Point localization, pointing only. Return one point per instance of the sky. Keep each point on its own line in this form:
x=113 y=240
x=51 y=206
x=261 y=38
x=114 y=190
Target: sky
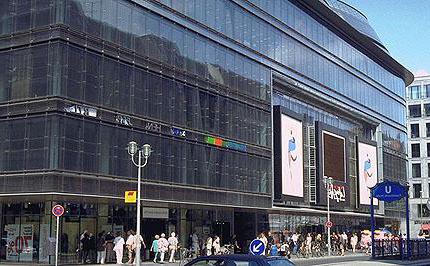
x=404 y=28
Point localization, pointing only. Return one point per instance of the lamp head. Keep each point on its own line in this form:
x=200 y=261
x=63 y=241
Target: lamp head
x=132 y=148
x=146 y=149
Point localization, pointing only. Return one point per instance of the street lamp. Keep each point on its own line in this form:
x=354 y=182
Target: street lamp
x=145 y=152
x=328 y=182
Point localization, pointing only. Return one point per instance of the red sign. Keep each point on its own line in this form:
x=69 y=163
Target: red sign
x=58 y=210
x=329 y=224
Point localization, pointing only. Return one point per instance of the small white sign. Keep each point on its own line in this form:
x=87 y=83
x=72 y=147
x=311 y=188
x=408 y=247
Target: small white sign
x=155 y=213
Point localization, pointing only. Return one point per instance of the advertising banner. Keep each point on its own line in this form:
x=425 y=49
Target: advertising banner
x=367 y=171
x=26 y=242
x=12 y=231
x=292 y=156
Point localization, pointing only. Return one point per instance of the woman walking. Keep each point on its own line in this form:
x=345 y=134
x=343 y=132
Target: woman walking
x=173 y=246
x=163 y=246
x=154 y=248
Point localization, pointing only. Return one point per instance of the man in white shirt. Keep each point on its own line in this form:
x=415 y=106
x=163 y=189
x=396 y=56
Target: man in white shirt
x=130 y=243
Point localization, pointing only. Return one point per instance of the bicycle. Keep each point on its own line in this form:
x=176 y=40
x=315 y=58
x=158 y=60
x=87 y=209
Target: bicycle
x=227 y=249
x=185 y=256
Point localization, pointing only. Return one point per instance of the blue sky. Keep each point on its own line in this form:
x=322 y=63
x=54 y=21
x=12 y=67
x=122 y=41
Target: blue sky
x=404 y=28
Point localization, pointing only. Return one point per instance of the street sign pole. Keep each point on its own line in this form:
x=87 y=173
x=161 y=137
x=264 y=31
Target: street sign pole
x=57 y=211
x=57 y=239
x=372 y=223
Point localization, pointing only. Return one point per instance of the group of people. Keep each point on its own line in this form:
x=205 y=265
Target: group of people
x=311 y=244
x=110 y=248
x=161 y=245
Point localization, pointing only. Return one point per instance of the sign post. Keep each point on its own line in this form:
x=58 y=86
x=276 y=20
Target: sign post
x=57 y=211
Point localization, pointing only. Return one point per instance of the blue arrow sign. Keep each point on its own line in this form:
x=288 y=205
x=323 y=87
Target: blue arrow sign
x=257 y=247
x=389 y=191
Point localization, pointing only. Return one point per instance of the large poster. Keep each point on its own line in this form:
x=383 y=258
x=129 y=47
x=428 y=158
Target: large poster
x=12 y=231
x=334 y=156
x=292 y=156
x=368 y=171
x=19 y=242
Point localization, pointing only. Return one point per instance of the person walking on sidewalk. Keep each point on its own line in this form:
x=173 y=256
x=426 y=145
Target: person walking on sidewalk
x=173 y=246
x=163 y=246
x=119 y=247
x=101 y=248
x=154 y=247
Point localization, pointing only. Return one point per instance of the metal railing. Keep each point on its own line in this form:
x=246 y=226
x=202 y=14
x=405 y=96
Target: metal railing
x=397 y=248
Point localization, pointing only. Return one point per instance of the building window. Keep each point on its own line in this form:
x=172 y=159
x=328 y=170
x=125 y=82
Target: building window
x=415 y=130
x=414 y=92
x=417 y=190
x=428 y=149
x=415 y=110
x=416 y=170
x=423 y=211
x=427 y=109
x=415 y=148
x=426 y=91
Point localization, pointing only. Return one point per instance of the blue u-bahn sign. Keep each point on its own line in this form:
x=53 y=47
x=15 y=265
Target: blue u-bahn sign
x=389 y=191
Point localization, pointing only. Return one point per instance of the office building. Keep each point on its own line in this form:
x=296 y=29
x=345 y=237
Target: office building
x=418 y=123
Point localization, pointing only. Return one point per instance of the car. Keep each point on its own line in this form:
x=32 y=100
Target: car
x=240 y=260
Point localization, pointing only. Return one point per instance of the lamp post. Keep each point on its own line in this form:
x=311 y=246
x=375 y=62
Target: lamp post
x=328 y=181
x=143 y=153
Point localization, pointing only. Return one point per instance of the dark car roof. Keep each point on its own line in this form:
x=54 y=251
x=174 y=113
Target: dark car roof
x=247 y=257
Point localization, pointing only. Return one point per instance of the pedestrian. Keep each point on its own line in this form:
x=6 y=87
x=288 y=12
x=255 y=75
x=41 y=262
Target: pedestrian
x=154 y=247
x=354 y=241
x=163 y=246
x=216 y=245
x=173 y=246
x=130 y=244
x=209 y=246
x=110 y=254
x=86 y=247
x=136 y=240
x=119 y=247
x=101 y=248
x=309 y=244
x=93 y=248
x=195 y=244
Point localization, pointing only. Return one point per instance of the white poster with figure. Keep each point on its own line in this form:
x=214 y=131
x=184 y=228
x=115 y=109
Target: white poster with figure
x=292 y=156
x=368 y=171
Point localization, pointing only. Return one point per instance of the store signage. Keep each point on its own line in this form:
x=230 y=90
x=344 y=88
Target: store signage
x=130 y=197
x=123 y=120
x=151 y=126
x=337 y=193
x=178 y=132
x=226 y=144
x=81 y=110
x=155 y=213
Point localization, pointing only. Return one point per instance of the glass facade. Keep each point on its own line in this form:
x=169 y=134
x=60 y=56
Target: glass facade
x=259 y=35
x=197 y=80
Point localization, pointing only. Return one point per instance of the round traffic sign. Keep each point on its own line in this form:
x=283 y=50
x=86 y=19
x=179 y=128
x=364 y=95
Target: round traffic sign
x=329 y=224
x=58 y=210
x=257 y=247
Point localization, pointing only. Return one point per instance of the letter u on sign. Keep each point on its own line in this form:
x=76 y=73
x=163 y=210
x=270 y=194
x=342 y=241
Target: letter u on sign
x=388 y=189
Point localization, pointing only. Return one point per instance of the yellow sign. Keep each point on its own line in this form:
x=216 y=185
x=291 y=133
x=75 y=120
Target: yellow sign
x=130 y=196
